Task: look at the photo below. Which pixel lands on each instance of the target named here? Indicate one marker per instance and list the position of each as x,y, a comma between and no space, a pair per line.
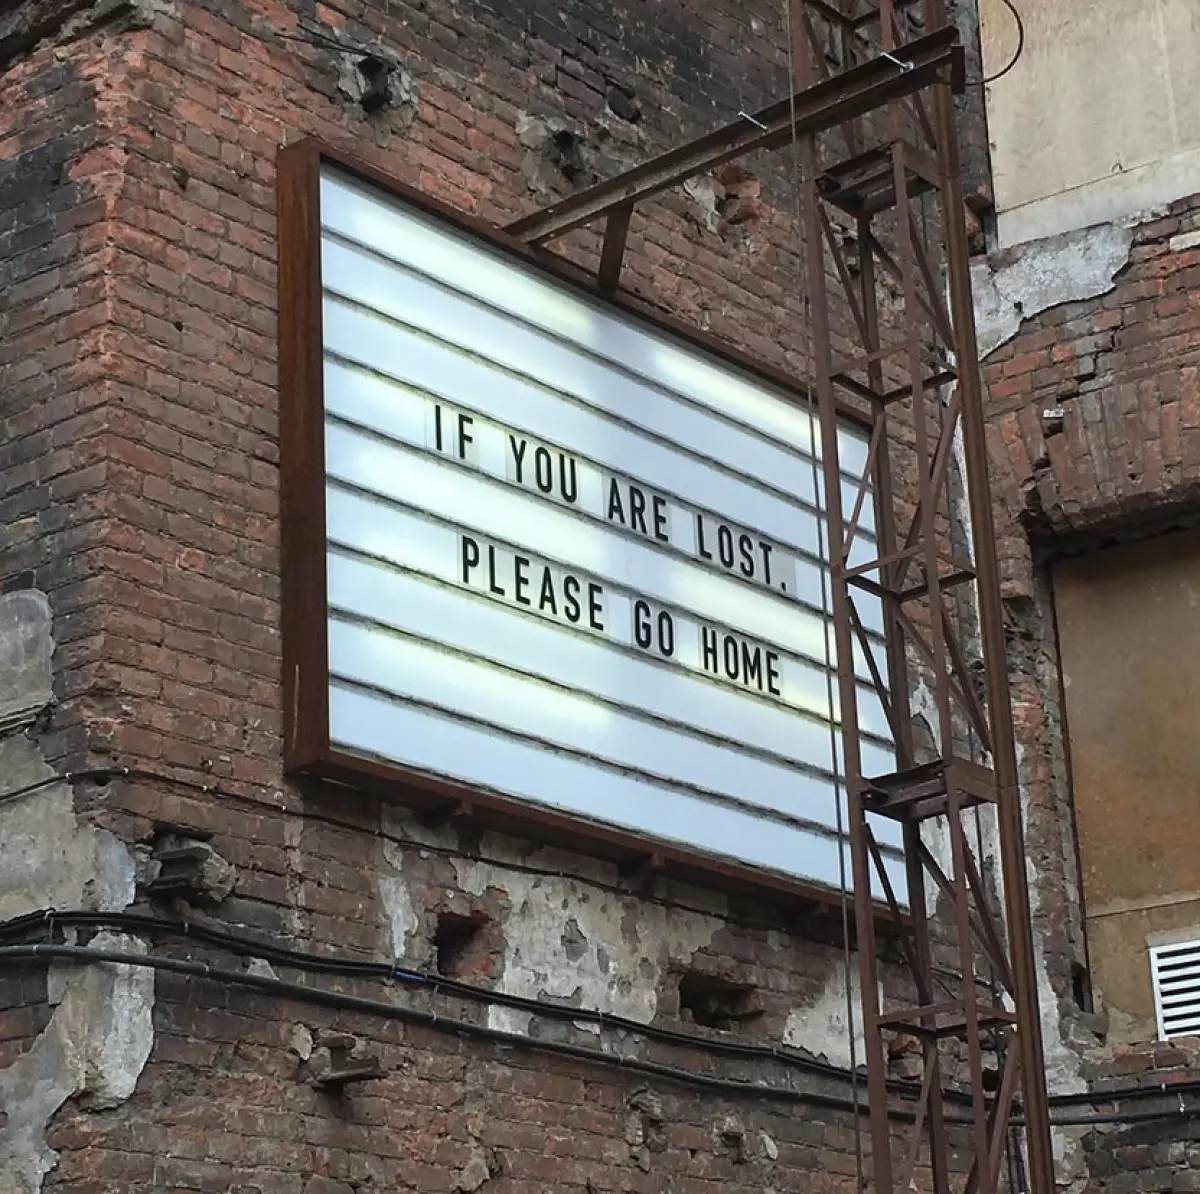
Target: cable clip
754,121
904,66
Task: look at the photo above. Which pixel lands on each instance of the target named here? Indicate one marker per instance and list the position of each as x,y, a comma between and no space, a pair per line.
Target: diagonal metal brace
847,95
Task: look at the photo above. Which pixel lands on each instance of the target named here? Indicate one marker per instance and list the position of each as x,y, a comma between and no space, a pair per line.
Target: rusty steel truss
873,129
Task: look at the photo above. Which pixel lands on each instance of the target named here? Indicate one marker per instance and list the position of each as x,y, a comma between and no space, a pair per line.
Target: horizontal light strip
505,346
408,419
373,726
511,702
398,352
637,683
427,246
397,480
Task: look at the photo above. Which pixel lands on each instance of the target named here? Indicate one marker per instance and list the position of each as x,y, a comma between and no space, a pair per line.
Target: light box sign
543,553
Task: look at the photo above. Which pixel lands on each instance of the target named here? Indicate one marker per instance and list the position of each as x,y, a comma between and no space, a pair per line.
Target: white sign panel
571,560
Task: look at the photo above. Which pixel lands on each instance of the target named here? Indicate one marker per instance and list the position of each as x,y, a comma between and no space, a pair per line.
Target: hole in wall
375,75
1081,986
714,1002
460,946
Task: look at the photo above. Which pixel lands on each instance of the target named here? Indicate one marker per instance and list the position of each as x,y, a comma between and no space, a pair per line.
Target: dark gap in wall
458,944
1081,986
714,1002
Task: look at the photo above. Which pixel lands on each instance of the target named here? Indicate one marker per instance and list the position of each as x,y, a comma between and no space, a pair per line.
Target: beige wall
1129,632
1099,119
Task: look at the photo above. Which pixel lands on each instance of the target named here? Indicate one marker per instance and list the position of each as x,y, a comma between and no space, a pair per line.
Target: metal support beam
877,142
910,157
812,110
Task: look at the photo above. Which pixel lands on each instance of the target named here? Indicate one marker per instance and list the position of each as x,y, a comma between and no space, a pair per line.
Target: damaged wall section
1093,388
93,1034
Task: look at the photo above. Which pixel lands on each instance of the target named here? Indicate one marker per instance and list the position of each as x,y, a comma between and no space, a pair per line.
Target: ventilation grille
1176,973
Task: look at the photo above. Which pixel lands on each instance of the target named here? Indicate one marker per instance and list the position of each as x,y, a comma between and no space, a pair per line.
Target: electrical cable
988,80
104,775
43,923
394,1011
246,946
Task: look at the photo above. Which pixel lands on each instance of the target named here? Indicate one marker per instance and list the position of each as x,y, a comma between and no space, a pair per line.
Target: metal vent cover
1175,971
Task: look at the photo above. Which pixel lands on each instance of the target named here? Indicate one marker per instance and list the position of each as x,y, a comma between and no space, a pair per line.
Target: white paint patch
49,859
1012,287
822,1028
101,1032
403,920
96,1044
570,941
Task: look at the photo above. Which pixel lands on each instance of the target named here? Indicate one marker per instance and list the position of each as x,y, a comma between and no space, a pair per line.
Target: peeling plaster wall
1016,285
569,943
822,1029
100,1034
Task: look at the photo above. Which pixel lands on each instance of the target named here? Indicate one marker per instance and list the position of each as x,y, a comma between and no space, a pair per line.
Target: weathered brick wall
1094,423
24,1010
54,308
141,430
1153,1153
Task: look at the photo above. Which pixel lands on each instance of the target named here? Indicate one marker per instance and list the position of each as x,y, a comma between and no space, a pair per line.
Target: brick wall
24,1010
54,307
140,493
1094,423
138,489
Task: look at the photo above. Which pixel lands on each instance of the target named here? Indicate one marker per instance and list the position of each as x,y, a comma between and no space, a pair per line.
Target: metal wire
827,619
989,79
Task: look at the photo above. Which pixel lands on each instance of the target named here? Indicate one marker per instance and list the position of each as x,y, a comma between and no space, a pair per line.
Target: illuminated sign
555,558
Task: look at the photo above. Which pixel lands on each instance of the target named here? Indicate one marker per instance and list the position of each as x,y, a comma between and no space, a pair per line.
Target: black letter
752,665
725,545
571,597
747,546
641,624
594,611
766,550
495,588
540,457
547,597
614,502
470,557
666,634
637,509
518,457
437,425
773,685
562,479
660,519
520,563
731,669
704,552
708,645
464,421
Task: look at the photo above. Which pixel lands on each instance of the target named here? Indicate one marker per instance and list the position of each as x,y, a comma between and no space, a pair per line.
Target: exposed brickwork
226,1104
1117,457
1123,367
24,1010
141,475
138,488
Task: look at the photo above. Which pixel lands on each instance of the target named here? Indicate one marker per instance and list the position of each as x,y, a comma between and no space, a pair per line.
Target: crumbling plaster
101,1032
1022,282
822,1028
573,940
569,941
